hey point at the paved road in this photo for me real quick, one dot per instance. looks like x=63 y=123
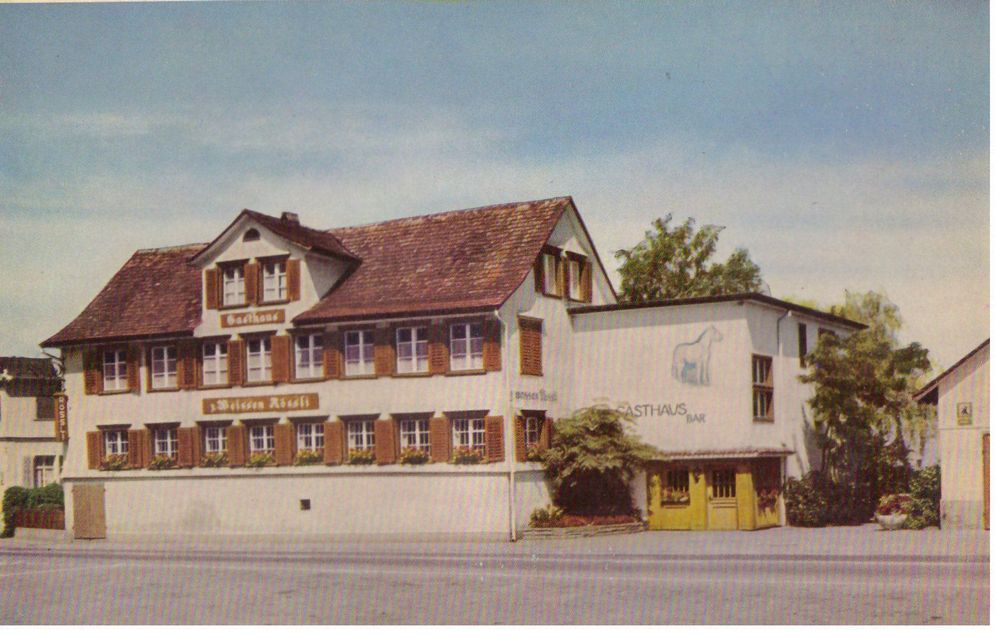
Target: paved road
x=390 y=586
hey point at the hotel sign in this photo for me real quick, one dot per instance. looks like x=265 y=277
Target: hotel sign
x=260 y=404
x=252 y=318
x=62 y=417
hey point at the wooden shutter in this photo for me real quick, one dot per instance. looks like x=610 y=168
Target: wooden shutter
x=133 y=357
x=333 y=442
x=251 y=282
x=93 y=372
x=440 y=439
x=439 y=348
x=95 y=449
x=586 y=282
x=491 y=345
x=546 y=435
x=520 y=446
x=293 y=278
x=540 y=273
x=212 y=286
x=385 y=351
x=139 y=451
x=531 y=346
x=281 y=360
x=185 y=447
x=236 y=445
x=284 y=444
x=494 y=439
x=187 y=364
x=234 y=355
x=385 y=441
x=197 y=445
x=333 y=354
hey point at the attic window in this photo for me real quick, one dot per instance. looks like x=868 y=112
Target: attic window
x=251 y=236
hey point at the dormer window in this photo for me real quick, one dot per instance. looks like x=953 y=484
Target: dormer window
x=251 y=236
x=550 y=271
x=234 y=291
x=275 y=281
x=578 y=278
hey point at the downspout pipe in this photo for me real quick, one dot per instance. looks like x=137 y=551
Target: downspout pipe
x=509 y=421
x=784 y=461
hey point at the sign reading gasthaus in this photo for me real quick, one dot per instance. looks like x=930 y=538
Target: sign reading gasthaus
x=231 y=405
x=251 y=318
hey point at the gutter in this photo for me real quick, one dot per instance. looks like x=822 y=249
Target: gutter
x=511 y=501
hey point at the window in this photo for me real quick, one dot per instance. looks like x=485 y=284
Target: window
x=275 y=282
x=415 y=433
x=259 y=359
x=45 y=407
x=165 y=442
x=550 y=271
x=531 y=345
x=214 y=364
x=803 y=345
x=723 y=484
x=466 y=346
x=44 y=467
x=763 y=389
x=309 y=437
x=251 y=235
x=675 y=489
x=469 y=433
x=411 y=349
x=234 y=290
x=532 y=430
x=164 y=366
x=115 y=370
x=309 y=356
x=262 y=439
x=359 y=353
x=215 y=440
x=115 y=442
x=360 y=435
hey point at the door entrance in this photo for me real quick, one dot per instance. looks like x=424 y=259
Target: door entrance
x=722 y=507
x=88 y=511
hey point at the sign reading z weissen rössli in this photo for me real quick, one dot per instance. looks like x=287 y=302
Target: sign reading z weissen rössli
x=262 y=404
x=252 y=318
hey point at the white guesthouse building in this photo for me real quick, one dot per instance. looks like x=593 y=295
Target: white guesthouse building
x=275 y=380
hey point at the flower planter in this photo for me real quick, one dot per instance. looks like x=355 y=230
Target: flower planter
x=894 y=521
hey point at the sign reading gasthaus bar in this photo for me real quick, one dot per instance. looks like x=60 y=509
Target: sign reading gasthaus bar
x=252 y=318
x=263 y=404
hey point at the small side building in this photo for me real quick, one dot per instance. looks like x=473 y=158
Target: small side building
x=30 y=449
x=962 y=396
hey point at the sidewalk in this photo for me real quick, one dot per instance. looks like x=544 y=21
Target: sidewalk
x=858 y=543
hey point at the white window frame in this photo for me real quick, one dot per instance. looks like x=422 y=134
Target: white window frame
x=309 y=436
x=262 y=439
x=165 y=442
x=215 y=440
x=550 y=270
x=532 y=430
x=234 y=290
x=469 y=432
x=763 y=388
x=309 y=360
x=214 y=363
x=466 y=349
x=115 y=442
x=360 y=435
x=408 y=340
x=43 y=469
x=259 y=359
x=163 y=367
x=275 y=281
x=415 y=433
x=575 y=273
x=116 y=370
x=359 y=358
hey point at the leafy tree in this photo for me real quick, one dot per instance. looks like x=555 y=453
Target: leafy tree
x=592 y=458
x=675 y=263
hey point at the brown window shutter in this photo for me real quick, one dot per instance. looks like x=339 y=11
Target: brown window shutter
x=187 y=364
x=520 y=446
x=439 y=349
x=491 y=345
x=540 y=274
x=93 y=373
x=293 y=275
x=212 y=280
x=197 y=437
x=185 y=447
x=385 y=442
x=284 y=444
x=251 y=281
x=333 y=442
x=133 y=358
x=234 y=353
x=236 y=445
x=531 y=346
x=333 y=354
x=385 y=352
x=440 y=439
x=95 y=449
x=586 y=282
x=138 y=443
x=281 y=360
x=494 y=439
x=546 y=435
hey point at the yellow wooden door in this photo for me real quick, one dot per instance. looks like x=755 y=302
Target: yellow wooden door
x=722 y=508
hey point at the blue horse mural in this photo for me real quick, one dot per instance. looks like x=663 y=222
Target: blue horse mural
x=691 y=359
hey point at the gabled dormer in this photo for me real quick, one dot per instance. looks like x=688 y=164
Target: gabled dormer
x=568 y=266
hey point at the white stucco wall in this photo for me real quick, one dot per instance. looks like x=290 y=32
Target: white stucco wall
x=22 y=437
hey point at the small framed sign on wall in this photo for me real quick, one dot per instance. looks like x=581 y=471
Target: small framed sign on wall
x=965 y=413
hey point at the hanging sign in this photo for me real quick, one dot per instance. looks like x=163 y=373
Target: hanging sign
x=252 y=318
x=260 y=404
x=62 y=417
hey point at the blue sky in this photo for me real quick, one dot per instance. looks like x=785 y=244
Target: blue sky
x=844 y=144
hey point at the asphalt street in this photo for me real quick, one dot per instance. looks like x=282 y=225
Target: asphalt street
x=396 y=585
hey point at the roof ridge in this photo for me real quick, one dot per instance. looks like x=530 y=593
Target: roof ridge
x=176 y=247
x=474 y=209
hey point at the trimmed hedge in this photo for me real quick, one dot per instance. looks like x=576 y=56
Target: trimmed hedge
x=17 y=498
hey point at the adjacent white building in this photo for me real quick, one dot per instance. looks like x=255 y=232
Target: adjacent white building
x=31 y=451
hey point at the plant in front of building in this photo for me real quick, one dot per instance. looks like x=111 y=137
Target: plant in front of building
x=162 y=462
x=413 y=456
x=925 y=489
x=259 y=460
x=899 y=504
x=465 y=455
x=215 y=460
x=114 y=462
x=16 y=499
x=591 y=460
x=545 y=516
x=767 y=498
x=534 y=453
x=361 y=457
x=308 y=458
x=671 y=497
x=805 y=505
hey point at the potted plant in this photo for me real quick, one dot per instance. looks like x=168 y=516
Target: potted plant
x=413 y=456
x=308 y=458
x=115 y=462
x=670 y=497
x=534 y=453
x=361 y=457
x=215 y=460
x=259 y=460
x=767 y=498
x=162 y=462
x=466 y=455
x=893 y=510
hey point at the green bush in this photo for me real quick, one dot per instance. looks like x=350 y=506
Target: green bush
x=804 y=504
x=17 y=498
x=925 y=489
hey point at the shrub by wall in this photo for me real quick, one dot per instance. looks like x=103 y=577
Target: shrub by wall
x=804 y=505
x=16 y=499
x=925 y=489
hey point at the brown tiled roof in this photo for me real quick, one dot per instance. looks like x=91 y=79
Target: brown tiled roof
x=157 y=292
x=457 y=261
x=308 y=238
x=926 y=395
x=28 y=368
